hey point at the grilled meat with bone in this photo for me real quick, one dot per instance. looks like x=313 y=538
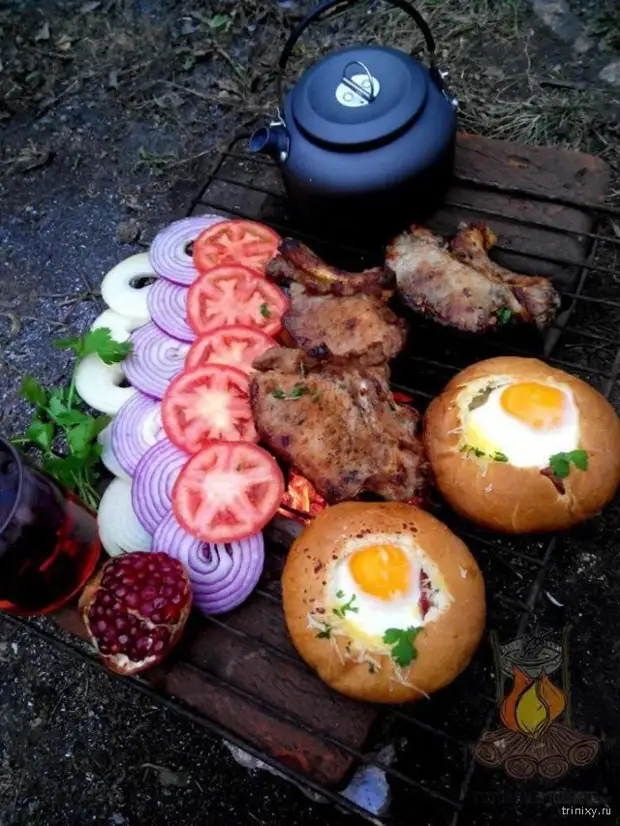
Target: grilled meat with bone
x=459 y=286
x=338 y=424
x=336 y=313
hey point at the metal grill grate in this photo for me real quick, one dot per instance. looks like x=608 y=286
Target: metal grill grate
x=434 y=773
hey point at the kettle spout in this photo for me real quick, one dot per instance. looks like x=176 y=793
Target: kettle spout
x=270 y=140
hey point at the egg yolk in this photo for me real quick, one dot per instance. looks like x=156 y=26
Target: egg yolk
x=381 y=570
x=538 y=405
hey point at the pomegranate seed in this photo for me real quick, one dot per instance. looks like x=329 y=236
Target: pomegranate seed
x=120 y=592
x=146 y=609
x=132 y=600
x=123 y=639
x=157 y=617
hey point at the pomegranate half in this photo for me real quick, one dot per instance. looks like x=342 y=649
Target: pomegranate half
x=135 y=609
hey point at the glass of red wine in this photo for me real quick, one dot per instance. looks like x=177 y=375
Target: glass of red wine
x=49 y=543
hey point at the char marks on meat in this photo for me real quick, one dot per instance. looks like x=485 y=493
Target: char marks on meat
x=338 y=424
x=458 y=285
x=337 y=313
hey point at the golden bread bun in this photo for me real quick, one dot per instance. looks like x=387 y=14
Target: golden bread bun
x=446 y=644
x=506 y=498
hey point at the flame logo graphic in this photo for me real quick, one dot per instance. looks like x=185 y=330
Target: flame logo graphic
x=532 y=705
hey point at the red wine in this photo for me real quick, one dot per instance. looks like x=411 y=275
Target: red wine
x=49 y=544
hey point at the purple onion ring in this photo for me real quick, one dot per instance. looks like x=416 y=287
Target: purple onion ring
x=167 y=305
x=168 y=255
x=222 y=575
x=154 y=360
x=153 y=480
x=135 y=429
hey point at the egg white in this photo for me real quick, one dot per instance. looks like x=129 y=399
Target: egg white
x=374 y=616
x=491 y=429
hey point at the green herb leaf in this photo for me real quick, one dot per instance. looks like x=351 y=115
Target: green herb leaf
x=348 y=606
x=499 y=457
x=265 y=311
x=504 y=315
x=33 y=392
x=325 y=632
x=560 y=462
x=339 y=594
x=371 y=667
x=81 y=436
x=41 y=433
x=298 y=391
x=469 y=449
x=403 y=644
x=97 y=341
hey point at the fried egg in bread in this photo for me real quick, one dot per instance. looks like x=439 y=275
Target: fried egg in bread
x=383 y=601
x=525 y=422
x=518 y=446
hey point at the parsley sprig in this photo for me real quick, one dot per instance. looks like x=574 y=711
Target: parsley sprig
x=61 y=428
x=402 y=641
x=560 y=462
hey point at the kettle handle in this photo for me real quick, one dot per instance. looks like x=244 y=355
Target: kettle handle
x=335 y=6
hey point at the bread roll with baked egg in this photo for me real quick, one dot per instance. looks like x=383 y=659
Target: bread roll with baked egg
x=383 y=601
x=518 y=446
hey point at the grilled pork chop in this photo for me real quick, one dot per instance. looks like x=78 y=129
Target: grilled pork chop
x=338 y=425
x=336 y=313
x=459 y=286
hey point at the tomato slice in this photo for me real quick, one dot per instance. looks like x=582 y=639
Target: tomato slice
x=227 y=492
x=235 y=242
x=235 y=345
x=211 y=402
x=234 y=295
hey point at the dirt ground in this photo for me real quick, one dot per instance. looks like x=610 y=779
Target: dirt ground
x=109 y=116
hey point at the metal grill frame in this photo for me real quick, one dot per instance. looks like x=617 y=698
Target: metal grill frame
x=523 y=610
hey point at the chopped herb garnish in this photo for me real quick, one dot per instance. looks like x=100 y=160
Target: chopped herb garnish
x=297 y=392
x=302 y=370
x=316 y=397
x=348 y=606
x=560 y=462
x=339 y=594
x=499 y=457
x=469 y=449
x=265 y=311
x=403 y=644
x=504 y=315
x=325 y=632
x=371 y=667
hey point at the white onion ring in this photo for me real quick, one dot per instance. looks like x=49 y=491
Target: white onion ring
x=153 y=480
x=222 y=575
x=167 y=253
x=98 y=385
x=120 y=326
x=168 y=308
x=135 y=429
x=119 y=530
x=154 y=361
x=119 y=294
x=107 y=454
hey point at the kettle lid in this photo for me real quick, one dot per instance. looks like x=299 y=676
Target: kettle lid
x=359 y=95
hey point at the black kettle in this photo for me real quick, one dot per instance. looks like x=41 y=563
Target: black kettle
x=365 y=139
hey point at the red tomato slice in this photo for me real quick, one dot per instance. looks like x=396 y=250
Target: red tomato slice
x=227 y=492
x=211 y=402
x=235 y=242
x=234 y=295
x=235 y=345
